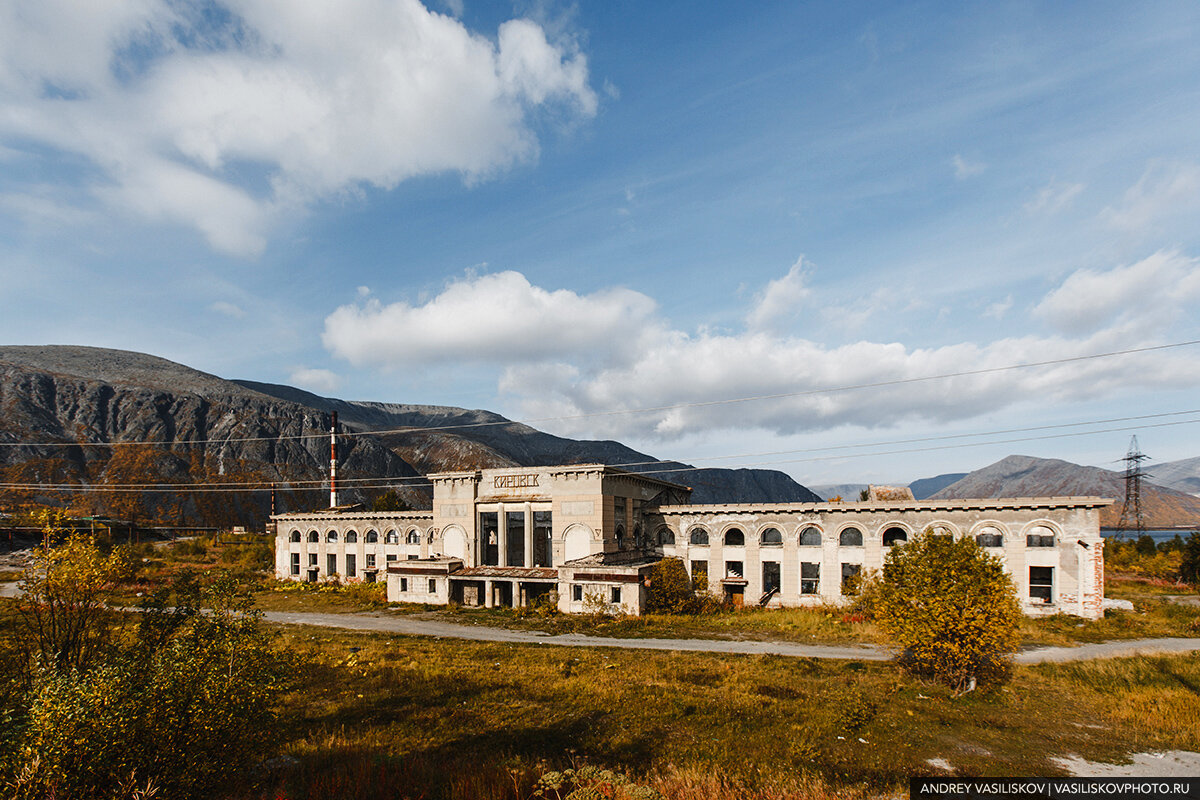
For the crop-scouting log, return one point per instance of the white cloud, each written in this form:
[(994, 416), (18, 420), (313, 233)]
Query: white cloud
[(316, 380), (998, 309), (564, 354), (1144, 296), (228, 309), (498, 319), (1165, 189), (1053, 198), (226, 128), (964, 169), (782, 300)]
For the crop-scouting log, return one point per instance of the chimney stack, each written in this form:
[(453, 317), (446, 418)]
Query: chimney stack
[(333, 498)]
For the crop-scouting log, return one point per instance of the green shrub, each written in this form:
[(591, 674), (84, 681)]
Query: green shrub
[(949, 609), (672, 591), (1189, 567)]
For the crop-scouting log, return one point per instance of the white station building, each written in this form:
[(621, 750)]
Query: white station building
[(589, 534)]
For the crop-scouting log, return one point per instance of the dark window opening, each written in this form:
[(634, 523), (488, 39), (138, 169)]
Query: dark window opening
[(989, 538), (295, 563), (543, 539), (1041, 584), (699, 536), (851, 579), (810, 578), (771, 537), (666, 536), (577, 593), (331, 564), (351, 537), (313, 536), (733, 569), (735, 538), (850, 537), (770, 576), (433, 585), (615, 594), (351, 565), (372, 537), (295, 536), (893, 535), (489, 538), (514, 524), (700, 571), (810, 537)]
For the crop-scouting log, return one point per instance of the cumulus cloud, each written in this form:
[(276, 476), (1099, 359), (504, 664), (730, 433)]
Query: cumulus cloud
[(317, 380), (494, 319), (226, 120), (1143, 296), (610, 355)]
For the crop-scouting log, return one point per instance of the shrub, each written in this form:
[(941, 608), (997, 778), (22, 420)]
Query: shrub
[(949, 609), (672, 591), (1189, 568)]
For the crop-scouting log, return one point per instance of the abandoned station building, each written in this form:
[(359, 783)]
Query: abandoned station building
[(591, 533)]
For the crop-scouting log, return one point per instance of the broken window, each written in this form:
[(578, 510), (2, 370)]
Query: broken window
[(810, 537), (700, 571), (733, 569), (810, 577), (666, 536), (735, 538), (296, 563), (351, 565), (615, 594), (699, 536), (620, 537), (1040, 536), (372, 537), (1041, 584), (331, 537), (489, 538), (543, 539), (577, 592), (851, 578), (351, 537), (295, 536), (850, 537), (771, 537), (893, 535), (770, 576), (391, 537), (989, 537), (413, 537)]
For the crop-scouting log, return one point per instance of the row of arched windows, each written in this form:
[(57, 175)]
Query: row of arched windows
[(372, 537), (811, 536)]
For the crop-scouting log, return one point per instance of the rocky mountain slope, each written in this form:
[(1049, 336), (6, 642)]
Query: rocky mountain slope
[(61, 406), (1182, 475), (1026, 476)]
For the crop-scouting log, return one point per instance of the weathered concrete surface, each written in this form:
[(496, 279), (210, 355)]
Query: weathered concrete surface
[(383, 623)]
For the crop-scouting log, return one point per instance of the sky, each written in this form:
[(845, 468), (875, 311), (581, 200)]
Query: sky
[(752, 234)]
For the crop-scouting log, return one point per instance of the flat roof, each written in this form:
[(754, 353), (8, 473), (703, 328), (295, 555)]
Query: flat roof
[(907, 505)]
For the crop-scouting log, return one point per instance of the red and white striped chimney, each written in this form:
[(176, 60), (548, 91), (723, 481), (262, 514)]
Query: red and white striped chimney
[(333, 498)]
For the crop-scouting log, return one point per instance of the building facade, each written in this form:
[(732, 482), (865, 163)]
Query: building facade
[(586, 537)]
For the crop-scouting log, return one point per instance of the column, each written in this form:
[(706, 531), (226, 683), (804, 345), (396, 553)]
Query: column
[(528, 535), (487, 594), (502, 537)]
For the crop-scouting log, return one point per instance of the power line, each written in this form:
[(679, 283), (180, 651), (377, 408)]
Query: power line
[(631, 411)]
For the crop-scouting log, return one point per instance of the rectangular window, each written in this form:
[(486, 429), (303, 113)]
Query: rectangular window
[(433, 585), (514, 524), (851, 574), (616, 594), (404, 584), (733, 569), (770, 576), (810, 578), (392, 557), (351, 565), (331, 564), (312, 559), (700, 571), (1041, 584), (411, 557), (489, 538), (543, 539), (295, 563), (370, 561), (577, 592), (1039, 540)]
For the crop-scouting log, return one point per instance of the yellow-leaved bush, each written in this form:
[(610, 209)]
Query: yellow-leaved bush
[(949, 609)]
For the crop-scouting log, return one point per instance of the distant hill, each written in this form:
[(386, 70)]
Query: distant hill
[(57, 403), (1182, 475), (926, 487), (1026, 476)]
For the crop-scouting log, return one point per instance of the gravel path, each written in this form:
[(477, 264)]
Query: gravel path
[(384, 623)]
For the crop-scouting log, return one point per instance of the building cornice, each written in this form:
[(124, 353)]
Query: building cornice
[(983, 504)]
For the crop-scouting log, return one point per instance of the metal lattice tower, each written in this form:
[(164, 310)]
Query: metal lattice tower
[(1131, 512)]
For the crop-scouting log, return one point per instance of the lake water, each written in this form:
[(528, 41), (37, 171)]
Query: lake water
[(1156, 535)]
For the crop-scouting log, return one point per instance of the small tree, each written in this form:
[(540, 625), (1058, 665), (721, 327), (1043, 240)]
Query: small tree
[(1189, 569), (390, 501), (949, 609)]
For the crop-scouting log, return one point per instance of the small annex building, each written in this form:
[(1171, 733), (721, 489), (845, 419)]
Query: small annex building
[(589, 535)]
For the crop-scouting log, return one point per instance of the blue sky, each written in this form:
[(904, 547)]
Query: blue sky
[(561, 211)]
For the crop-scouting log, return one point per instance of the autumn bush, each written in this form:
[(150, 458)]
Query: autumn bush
[(949, 609), (174, 703), (672, 591)]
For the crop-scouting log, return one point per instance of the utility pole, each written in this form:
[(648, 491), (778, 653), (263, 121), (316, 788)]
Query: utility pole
[(1131, 512)]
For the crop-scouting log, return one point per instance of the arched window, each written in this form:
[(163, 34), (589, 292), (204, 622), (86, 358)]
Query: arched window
[(313, 536), (893, 535), (295, 536), (735, 538), (850, 537), (666, 536), (637, 536), (351, 537), (391, 537), (989, 537), (810, 537), (771, 537), (1039, 536), (698, 536), (413, 537), (620, 537), (940, 530), (372, 537), (331, 536)]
